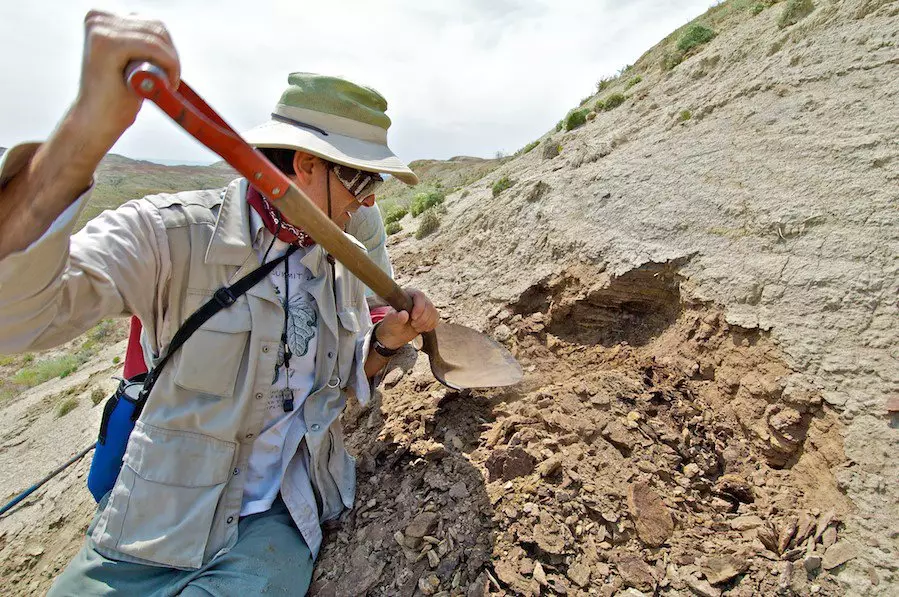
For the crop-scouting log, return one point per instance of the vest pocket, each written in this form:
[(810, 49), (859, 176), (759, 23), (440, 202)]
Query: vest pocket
[(210, 359), (167, 494)]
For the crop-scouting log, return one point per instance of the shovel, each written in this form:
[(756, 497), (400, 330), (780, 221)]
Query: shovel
[(460, 357)]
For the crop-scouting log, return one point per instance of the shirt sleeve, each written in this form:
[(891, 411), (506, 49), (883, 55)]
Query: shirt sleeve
[(63, 284)]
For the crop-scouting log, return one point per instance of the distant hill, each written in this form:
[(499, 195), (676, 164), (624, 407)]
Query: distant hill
[(120, 179), (2, 151)]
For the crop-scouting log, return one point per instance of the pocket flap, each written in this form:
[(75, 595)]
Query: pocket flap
[(232, 319), (178, 457)]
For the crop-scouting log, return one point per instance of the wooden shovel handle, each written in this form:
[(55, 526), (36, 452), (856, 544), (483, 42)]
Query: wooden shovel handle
[(300, 210), (196, 117)]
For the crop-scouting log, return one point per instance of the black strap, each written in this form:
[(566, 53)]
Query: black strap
[(224, 297)]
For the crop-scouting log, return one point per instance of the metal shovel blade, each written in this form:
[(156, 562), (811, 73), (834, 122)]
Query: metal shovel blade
[(464, 358)]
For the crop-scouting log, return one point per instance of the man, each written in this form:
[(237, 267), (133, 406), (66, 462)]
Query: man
[(238, 454)]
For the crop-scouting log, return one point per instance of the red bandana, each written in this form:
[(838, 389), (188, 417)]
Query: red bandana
[(275, 223)]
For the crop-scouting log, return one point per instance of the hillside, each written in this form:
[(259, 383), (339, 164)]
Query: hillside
[(699, 278), (711, 256), (120, 179)]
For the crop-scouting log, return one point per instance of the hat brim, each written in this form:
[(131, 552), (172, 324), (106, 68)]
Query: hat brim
[(364, 155)]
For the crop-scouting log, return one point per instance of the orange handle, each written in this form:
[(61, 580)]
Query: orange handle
[(195, 116)]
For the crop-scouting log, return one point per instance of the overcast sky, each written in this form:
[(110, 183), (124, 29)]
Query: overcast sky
[(461, 77)]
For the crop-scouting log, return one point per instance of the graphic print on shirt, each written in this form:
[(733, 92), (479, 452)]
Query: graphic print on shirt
[(302, 321)]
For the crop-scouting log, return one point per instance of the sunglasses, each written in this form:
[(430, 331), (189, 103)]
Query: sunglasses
[(359, 183)]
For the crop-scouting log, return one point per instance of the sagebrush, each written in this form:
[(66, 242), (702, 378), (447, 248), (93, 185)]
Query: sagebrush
[(429, 223)]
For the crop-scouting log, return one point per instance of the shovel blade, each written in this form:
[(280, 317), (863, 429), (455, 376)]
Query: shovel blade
[(464, 358)]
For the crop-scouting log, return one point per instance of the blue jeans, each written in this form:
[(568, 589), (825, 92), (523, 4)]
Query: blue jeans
[(270, 558)]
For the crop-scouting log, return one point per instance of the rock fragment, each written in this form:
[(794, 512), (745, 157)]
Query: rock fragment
[(651, 516), (701, 587), (579, 574), (509, 464), (838, 554), (635, 572), (720, 569), (746, 523), (539, 574)]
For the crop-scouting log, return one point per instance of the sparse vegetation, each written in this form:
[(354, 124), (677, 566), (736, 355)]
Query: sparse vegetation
[(635, 81), (428, 224), (795, 11), (501, 185), (395, 215), (97, 396), (528, 147), (48, 369), (66, 406), (425, 201), (757, 8), (464, 194), (610, 103), (684, 116), (116, 360), (392, 228), (575, 119), (695, 35), (604, 84)]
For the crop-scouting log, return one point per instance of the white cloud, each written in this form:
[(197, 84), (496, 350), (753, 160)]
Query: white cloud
[(462, 77)]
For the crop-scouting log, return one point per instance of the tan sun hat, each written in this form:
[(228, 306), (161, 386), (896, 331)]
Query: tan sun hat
[(334, 119)]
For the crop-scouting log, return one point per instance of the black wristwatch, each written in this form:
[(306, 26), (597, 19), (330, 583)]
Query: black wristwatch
[(380, 348)]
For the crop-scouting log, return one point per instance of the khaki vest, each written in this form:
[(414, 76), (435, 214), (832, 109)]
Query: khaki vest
[(178, 497)]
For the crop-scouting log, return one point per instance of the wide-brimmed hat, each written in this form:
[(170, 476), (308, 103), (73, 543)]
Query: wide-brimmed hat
[(334, 119)]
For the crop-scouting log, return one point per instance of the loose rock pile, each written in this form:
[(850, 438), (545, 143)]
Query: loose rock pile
[(666, 454)]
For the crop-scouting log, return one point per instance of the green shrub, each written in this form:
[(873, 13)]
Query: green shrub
[(575, 119), (65, 407), (47, 369), (604, 84), (97, 396), (599, 106), (613, 101), (672, 59), (501, 185), (757, 8), (464, 194), (633, 82), (695, 35), (116, 360), (392, 228), (428, 224), (684, 116), (424, 201), (795, 11), (395, 215), (560, 124), (530, 146)]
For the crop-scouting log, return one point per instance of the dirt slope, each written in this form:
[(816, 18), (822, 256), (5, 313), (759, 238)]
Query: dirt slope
[(775, 202)]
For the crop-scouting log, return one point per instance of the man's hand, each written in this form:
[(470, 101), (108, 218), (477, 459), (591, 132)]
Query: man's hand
[(111, 43), (62, 168), (397, 328)]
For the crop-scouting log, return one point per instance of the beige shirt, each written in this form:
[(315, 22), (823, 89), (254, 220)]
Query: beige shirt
[(178, 497)]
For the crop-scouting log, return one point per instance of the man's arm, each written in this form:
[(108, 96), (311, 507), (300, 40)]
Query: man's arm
[(34, 193)]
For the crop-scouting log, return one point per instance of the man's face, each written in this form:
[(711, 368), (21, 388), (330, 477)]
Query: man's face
[(314, 176)]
